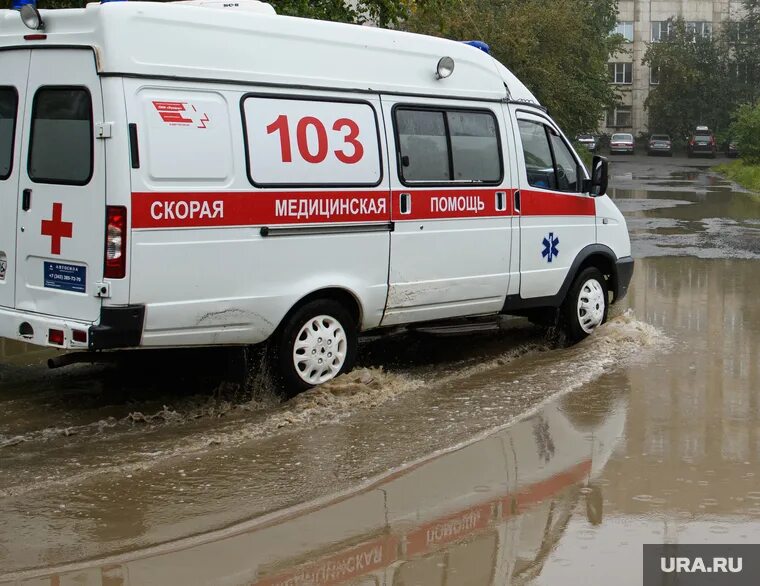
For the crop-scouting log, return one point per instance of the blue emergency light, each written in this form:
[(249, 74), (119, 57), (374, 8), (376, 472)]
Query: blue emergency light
[(17, 4), (108, 1), (483, 46)]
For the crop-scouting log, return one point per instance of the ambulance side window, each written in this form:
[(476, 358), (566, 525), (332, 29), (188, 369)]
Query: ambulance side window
[(568, 172), (61, 137), (448, 145), (423, 145), (538, 155), (474, 146), (8, 108)]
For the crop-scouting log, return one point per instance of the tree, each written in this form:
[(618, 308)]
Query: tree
[(742, 42), (381, 12), (693, 88), (558, 48), (745, 130)]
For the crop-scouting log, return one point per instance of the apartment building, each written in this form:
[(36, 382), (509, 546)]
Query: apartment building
[(643, 22)]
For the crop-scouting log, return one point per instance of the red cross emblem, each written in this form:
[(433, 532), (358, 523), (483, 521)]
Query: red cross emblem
[(56, 228)]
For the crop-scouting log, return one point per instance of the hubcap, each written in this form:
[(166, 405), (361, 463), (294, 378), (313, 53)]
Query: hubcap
[(320, 349), (591, 304)]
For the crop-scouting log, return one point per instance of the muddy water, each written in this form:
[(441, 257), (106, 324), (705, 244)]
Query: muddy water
[(495, 456)]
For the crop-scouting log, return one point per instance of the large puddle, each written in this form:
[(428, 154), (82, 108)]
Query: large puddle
[(495, 456)]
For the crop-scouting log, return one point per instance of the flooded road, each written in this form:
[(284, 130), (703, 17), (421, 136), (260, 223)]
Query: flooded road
[(495, 456)]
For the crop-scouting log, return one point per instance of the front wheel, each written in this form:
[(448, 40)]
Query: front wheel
[(585, 307), (314, 345)]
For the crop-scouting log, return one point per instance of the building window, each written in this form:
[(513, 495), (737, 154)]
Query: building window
[(625, 29), (620, 117), (654, 76), (661, 30), (621, 73), (699, 29)]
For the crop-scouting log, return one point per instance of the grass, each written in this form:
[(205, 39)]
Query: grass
[(745, 174)]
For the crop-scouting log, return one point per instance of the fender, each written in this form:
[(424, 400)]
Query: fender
[(619, 271)]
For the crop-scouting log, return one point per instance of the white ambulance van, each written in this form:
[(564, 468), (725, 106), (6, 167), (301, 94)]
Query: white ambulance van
[(180, 174)]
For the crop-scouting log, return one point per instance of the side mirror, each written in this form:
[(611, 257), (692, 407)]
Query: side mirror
[(597, 185)]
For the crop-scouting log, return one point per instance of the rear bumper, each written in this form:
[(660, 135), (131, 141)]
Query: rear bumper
[(622, 149), (36, 329), (118, 327), (623, 276)]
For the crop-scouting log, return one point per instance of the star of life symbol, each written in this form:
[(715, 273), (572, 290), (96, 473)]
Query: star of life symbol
[(550, 247)]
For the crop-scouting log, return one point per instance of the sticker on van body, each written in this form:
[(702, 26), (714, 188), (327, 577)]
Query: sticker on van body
[(550, 244), (66, 277)]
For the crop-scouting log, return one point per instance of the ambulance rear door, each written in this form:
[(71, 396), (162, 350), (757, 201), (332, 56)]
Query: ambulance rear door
[(14, 69), (61, 193)]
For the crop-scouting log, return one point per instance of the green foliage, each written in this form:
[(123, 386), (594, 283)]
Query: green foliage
[(558, 48), (744, 173), (382, 12), (586, 155), (745, 130), (702, 80), (692, 88)]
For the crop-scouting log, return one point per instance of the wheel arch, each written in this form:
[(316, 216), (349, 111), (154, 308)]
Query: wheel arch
[(593, 255), (345, 297)]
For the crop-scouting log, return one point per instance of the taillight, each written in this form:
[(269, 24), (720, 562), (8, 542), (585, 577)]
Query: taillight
[(116, 242), (55, 337)]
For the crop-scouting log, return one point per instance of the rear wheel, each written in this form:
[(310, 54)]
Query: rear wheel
[(315, 344), (585, 307)]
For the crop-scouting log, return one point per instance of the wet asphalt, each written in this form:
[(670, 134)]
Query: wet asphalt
[(491, 456)]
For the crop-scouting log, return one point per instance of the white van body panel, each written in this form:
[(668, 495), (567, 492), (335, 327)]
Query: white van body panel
[(256, 159), (450, 251), (15, 68), (55, 237), (226, 283), (611, 227), (554, 226)]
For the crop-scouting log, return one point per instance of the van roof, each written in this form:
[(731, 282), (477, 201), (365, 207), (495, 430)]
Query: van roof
[(178, 40)]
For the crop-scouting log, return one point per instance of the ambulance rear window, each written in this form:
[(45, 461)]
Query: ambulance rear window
[(448, 145), (61, 138), (8, 107)]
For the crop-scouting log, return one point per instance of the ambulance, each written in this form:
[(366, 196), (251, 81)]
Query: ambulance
[(207, 173)]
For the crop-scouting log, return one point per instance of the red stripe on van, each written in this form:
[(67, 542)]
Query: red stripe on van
[(432, 204), (341, 567), (542, 203), (545, 489), (193, 210), (261, 208)]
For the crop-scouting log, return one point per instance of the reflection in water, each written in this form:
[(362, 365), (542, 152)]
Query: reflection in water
[(694, 428), (488, 513), (688, 467)]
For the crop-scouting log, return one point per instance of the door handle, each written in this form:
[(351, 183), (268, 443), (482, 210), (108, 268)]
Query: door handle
[(517, 201), (501, 201), (26, 200), (405, 203)]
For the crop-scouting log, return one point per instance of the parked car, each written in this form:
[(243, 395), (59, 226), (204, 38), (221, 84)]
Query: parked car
[(732, 149), (622, 142), (702, 142), (660, 144), (589, 141)]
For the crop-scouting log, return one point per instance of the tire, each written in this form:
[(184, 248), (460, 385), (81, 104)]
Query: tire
[(586, 305), (301, 360)]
